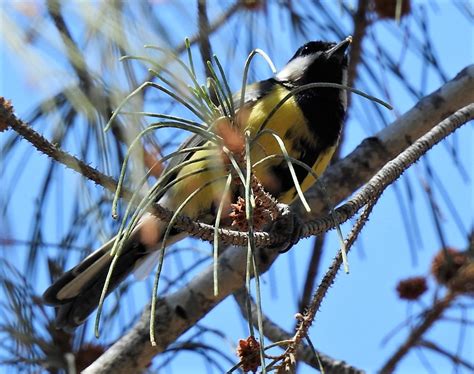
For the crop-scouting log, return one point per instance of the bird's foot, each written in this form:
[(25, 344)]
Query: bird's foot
[(287, 226)]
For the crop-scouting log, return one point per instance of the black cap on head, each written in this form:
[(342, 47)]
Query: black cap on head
[(317, 61), (326, 49)]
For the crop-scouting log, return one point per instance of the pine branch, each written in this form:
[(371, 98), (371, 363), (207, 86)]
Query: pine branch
[(179, 311), (430, 318), (373, 189), (275, 334), (360, 25)]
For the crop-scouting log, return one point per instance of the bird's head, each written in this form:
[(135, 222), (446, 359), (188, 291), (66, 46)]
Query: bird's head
[(317, 61)]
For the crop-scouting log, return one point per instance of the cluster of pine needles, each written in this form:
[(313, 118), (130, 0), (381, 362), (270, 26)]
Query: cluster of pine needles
[(215, 110)]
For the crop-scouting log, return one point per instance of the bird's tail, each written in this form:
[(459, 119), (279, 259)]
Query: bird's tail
[(77, 292)]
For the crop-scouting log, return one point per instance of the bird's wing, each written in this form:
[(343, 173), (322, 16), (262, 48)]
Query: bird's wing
[(253, 92), (192, 141)]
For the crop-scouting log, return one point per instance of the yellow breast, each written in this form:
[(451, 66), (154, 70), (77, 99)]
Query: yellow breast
[(287, 120)]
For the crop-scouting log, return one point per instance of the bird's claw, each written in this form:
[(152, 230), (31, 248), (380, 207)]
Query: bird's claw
[(287, 225)]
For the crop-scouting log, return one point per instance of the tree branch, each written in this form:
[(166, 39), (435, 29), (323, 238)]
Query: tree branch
[(453, 357), (312, 271), (360, 25), (390, 172), (275, 333), (8, 119), (179, 311), (348, 174), (223, 18), (430, 318), (205, 44), (359, 166)]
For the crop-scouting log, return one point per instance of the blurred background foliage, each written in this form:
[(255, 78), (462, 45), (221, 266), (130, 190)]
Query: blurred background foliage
[(67, 54)]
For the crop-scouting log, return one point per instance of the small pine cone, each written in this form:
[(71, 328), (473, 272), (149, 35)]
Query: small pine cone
[(388, 8), (412, 288), (238, 216), (264, 199), (261, 215), (249, 354), (446, 264)]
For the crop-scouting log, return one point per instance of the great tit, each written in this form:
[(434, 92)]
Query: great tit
[(309, 123)]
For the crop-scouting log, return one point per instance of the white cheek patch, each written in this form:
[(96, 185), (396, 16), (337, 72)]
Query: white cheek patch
[(295, 68)]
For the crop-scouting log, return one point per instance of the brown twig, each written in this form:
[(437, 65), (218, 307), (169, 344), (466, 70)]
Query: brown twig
[(204, 43), (276, 334), (454, 358), (312, 271), (360, 25), (306, 320), (44, 146), (430, 318), (391, 171), (434, 313)]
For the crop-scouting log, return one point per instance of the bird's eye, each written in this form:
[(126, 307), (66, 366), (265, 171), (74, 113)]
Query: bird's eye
[(304, 50)]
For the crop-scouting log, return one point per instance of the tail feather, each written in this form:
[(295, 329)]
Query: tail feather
[(64, 289), (77, 292)]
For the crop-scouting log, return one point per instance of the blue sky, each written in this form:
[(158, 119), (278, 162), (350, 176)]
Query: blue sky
[(362, 307)]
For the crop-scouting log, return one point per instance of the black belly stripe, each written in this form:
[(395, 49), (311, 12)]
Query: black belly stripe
[(324, 112), (308, 155)]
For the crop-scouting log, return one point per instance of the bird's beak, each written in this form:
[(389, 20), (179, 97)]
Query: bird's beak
[(339, 49)]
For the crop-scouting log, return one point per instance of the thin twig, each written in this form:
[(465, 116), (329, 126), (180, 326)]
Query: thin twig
[(276, 334), (312, 271), (204, 43), (53, 151), (454, 358), (430, 318), (307, 319), (372, 190), (360, 25), (391, 171)]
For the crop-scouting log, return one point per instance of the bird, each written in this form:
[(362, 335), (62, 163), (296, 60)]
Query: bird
[(309, 123)]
